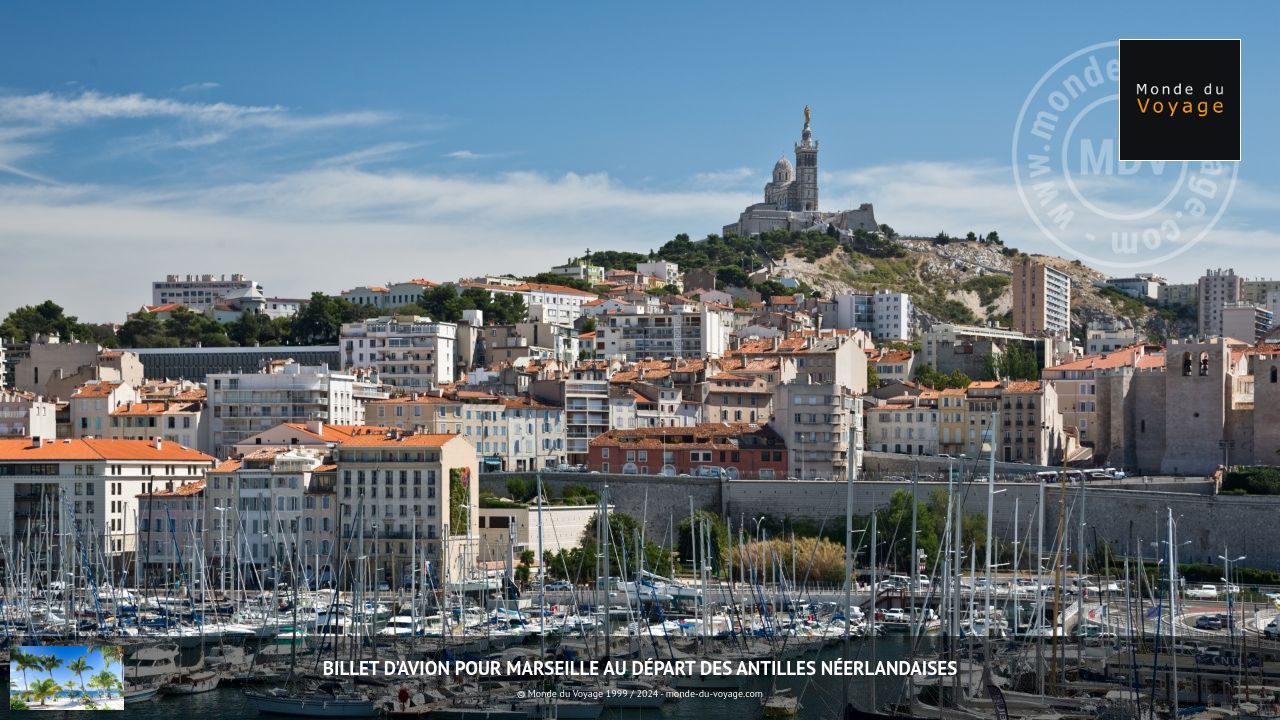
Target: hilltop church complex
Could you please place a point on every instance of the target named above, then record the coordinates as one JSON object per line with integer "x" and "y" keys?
{"x": 791, "y": 198}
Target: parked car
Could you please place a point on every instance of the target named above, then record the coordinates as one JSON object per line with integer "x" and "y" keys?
{"x": 1272, "y": 630}
{"x": 895, "y": 615}
{"x": 1208, "y": 622}
{"x": 559, "y": 585}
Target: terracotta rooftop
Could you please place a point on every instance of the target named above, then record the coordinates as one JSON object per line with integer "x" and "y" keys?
{"x": 98, "y": 449}
{"x": 396, "y": 440}
{"x": 183, "y": 490}
{"x": 95, "y": 390}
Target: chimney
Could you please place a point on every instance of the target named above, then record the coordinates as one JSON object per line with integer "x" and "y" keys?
{"x": 315, "y": 427}
{"x": 157, "y": 443}
{"x": 37, "y": 441}
{"x": 775, "y": 343}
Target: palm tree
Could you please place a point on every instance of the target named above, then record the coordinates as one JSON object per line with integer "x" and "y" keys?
{"x": 111, "y": 653}
{"x": 79, "y": 667}
{"x": 50, "y": 663}
{"x": 25, "y": 661}
{"x": 44, "y": 689}
{"x": 104, "y": 680}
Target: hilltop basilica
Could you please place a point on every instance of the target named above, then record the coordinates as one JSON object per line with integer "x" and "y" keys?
{"x": 791, "y": 198}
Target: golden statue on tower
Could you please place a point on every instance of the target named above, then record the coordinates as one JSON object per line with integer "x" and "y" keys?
{"x": 806, "y": 114}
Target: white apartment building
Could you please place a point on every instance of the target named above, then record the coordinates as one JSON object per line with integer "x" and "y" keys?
{"x": 508, "y": 433}
{"x": 198, "y": 292}
{"x": 92, "y": 482}
{"x": 1101, "y": 338}
{"x": 245, "y": 404}
{"x": 667, "y": 272}
{"x": 907, "y": 425}
{"x": 891, "y": 313}
{"x": 692, "y": 330}
{"x": 388, "y": 296}
{"x": 584, "y": 395}
{"x": 405, "y": 351}
{"x": 24, "y": 414}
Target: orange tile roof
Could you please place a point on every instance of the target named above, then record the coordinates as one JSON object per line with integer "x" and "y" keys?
{"x": 1023, "y": 386}
{"x": 1124, "y": 357}
{"x": 894, "y": 356}
{"x": 98, "y": 449}
{"x": 183, "y": 490}
{"x": 153, "y": 408}
{"x": 95, "y": 390}
{"x": 340, "y": 433}
{"x": 324, "y": 468}
{"x": 227, "y": 466}
{"x": 397, "y": 440}
{"x": 166, "y": 307}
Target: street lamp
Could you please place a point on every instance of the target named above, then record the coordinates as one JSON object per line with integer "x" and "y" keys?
{"x": 1226, "y": 579}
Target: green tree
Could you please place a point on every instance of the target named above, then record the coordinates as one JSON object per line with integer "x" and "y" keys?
{"x": 1015, "y": 363}
{"x": 521, "y": 488}
{"x": 459, "y": 500}
{"x": 47, "y": 318}
{"x": 105, "y": 680}
{"x": 79, "y": 667}
{"x": 873, "y": 377}
{"x": 319, "y": 322}
{"x": 24, "y": 661}
{"x": 442, "y": 303}
{"x": 42, "y": 690}
{"x": 894, "y": 525}
{"x": 49, "y": 663}
{"x": 719, "y": 540}
{"x": 140, "y": 330}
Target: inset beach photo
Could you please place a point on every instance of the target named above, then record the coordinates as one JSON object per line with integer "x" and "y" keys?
{"x": 65, "y": 677}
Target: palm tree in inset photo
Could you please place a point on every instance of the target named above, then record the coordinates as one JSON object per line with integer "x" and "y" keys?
{"x": 25, "y": 661}
{"x": 50, "y": 663}
{"x": 44, "y": 689}
{"x": 79, "y": 667}
{"x": 105, "y": 680}
{"x": 111, "y": 654}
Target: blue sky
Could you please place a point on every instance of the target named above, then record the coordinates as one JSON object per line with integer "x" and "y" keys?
{"x": 62, "y": 676}
{"x": 324, "y": 146}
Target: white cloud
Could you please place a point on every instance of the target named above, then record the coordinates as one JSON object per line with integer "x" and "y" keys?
{"x": 198, "y": 87}
{"x": 469, "y": 155}
{"x": 50, "y": 110}
{"x": 732, "y": 179}
{"x": 365, "y": 156}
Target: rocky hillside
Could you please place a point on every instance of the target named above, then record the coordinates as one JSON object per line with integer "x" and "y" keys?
{"x": 968, "y": 282}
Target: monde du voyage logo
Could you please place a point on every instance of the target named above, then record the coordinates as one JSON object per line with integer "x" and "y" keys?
{"x": 1142, "y": 182}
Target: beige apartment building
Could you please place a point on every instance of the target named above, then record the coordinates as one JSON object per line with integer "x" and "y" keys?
{"x": 1041, "y": 298}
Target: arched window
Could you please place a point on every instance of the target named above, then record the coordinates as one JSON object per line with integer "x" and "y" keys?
{"x": 1186, "y": 363}
{"x": 1204, "y": 363}
{"x": 1273, "y": 373}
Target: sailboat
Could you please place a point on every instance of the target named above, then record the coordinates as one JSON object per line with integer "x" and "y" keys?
{"x": 327, "y": 700}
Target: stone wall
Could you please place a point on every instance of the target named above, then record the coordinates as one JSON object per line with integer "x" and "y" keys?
{"x": 1123, "y": 516}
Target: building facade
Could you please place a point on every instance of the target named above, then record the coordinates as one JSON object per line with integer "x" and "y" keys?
{"x": 405, "y": 351}
{"x": 245, "y": 404}
{"x": 198, "y": 292}
{"x": 1041, "y": 298}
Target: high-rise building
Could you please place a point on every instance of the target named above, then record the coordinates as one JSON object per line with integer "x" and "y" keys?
{"x": 406, "y": 351}
{"x": 244, "y": 404}
{"x": 1041, "y": 298}
{"x": 1216, "y": 289}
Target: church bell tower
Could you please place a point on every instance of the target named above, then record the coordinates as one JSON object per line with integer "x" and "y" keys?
{"x": 806, "y": 183}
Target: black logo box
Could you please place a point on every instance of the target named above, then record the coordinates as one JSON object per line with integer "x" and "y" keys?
{"x": 1187, "y": 68}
